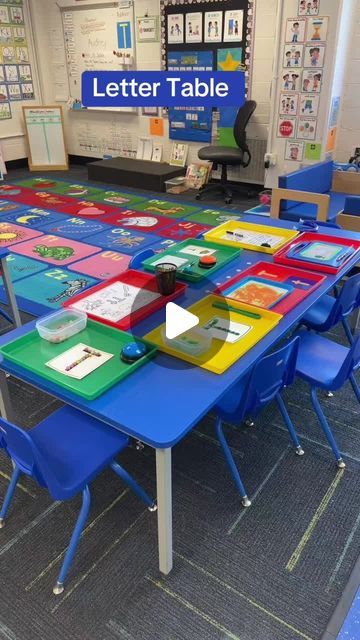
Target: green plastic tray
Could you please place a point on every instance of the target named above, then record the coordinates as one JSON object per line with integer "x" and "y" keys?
{"x": 223, "y": 254}
{"x": 31, "y": 352}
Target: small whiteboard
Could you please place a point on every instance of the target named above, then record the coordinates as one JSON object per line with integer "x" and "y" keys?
{"x": 45, "y": 135}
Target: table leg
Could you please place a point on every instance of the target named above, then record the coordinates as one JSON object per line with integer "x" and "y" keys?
{"x": 164, "y": 513}
{"x": 10, "y": 293}
{"x": 6, "y": 409}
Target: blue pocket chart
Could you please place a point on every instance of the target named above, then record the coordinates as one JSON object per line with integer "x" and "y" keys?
{"x": 34, "y": 218}
{"x": 76, "y": 228}
{"x": 123, "y": 240}
{"x": 50, "y": 288}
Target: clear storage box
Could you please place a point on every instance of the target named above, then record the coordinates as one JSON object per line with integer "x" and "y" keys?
{"x": 61, "y": 325}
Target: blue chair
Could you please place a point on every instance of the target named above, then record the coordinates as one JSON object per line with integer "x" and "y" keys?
{"x": 64, "y": 453}
{"x": 327, "y": 365}
{"x": 269, "y": 376}
{"x": 328, "y": 311}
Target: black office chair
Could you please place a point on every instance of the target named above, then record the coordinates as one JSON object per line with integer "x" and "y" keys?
{"x": 226, "y": 156}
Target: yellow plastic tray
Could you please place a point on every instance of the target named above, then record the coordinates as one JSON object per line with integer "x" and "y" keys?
{"x": 222, "y": 355}
{"x": 216, "y": 235}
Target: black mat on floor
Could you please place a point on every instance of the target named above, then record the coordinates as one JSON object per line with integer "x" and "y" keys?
{"x": 271, "y": 572}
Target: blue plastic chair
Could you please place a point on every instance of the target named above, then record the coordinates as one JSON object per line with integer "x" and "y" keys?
{"x": 327, "y": 365}
{"x": 269, "y": 376}
{"x": 328, "y": 311}
{"x": 64, "y": 453}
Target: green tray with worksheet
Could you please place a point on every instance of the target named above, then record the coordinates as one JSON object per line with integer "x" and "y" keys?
{"x": 185, "y": 255}
{"x": 32, "y": 352}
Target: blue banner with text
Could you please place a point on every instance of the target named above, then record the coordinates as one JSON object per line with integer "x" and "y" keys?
{"x": 162, "y": 89}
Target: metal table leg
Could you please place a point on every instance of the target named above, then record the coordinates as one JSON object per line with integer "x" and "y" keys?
{"x": 164, "y": 513}
{"x": 6, "y": 409}
{"x": 10, "y": 293}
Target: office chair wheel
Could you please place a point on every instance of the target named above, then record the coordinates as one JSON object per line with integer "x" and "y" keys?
{"x": 299, "y": 451}
{"x": 58, "y": 589}
{"x": 228, "y": 200}
{"x": 329, "y": 394}
{"x": 249, "y": 423}
{"x": 198, "y": 196}
{"x": 340, "y": 463}
{"x": 153, "y": 507}
{"x": 246, "y": 502}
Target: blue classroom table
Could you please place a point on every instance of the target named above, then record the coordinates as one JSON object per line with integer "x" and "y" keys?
{"x": 173, "y": 395}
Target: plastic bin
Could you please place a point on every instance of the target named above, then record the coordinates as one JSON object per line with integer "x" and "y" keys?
{"x": 61, "y": 325}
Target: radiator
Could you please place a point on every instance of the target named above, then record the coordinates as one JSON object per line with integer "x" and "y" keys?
{"x": 255, "y": 172}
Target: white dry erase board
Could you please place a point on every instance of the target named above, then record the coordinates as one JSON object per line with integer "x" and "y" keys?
{"x": 98, "y": 37}
{"x": 45, "y": 135}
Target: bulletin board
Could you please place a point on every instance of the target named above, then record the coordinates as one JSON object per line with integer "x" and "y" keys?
{"x": 45, "y": 136}
{"x": 97, "y": 37}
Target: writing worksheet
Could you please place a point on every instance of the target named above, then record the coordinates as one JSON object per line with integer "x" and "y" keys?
{"x": 253, "y": 238}
{"x": 195, "y": 250}
{"x": 227, "y": 331}
{"x": 116, "y": 301}
{"x": 79, "y": 361}
{"x": 167, "y": 259}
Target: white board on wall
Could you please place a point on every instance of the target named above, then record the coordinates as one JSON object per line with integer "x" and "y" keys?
{"x": 45, "y": 135}
{"x": 91, "y": 40}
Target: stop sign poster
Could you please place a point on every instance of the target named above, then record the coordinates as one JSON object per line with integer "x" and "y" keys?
{"x": 286, "y": 127}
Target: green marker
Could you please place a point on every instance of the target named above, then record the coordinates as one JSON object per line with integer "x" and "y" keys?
{"x": 225, "y": 307}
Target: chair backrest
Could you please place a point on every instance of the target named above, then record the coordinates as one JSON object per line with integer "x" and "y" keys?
{"x": 23, "y": 451}
{"x": 271, "y": 374}
{"x": 242, "y": 118}
{"x": 320, "y": 199}
{"x": 351, "y": 362}
{"x": 349, "y": 297}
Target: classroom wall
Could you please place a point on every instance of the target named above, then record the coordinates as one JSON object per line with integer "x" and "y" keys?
{"x": 103, "y": 130}
{"x": 349, "y": 124}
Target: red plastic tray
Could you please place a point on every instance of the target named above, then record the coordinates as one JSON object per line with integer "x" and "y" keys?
{"x": 137, "y": 279}
{"x": 281, "y": 256}
{"x": 304, "y": 282}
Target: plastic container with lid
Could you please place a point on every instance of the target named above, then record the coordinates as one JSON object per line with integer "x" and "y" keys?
{"x": 194, "y": 342}
{"x": 61, "y": 325}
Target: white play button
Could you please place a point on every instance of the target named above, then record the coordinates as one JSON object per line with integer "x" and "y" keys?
{"x": 178, "y": 320}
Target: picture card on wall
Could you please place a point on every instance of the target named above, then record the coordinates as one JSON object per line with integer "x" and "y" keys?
{"x": 25, "y": 73}
{"x": 175, "y": 28}
{"x": 8, "y": 55}
{"x": 313, "y": 151}
{"x": 213, "y": 26}
{"x": 286, "y": 127}
{"x": 288, "y": 104}
{"x": 14, "y": 91}
{"x": 3, "y": 93}
{"x": 11, "y": 73}
{"x": 294, "y": 151}
{"x": 11, "y": 233}
{"x": 2, "y": 73}
{"x": 293, "y": 56}
{"x": 309, "y": 104}
{"x": 194, "y": 27}
{"x": 54, "y": 249}
{"x": 314, "y": 56}
{"x": 311, "y": 81}
{"x": 291, "y": 80}
{"x": 233, "y": 25}
{"x": 306, "y": 129}
{"x": 309, "y": 7}
{"x": 295, "y": 30}
{"x": 317, "y": 29}
{"x": 102, "y": 266}
{"x": 128, "y": 241}
{"x": 5, "y": 111}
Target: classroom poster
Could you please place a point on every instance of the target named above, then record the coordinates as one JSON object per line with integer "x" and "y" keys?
{"x": 309, "y": 104}
{"x": 291, "y": 81}
{"x": 194, "y": 27}
{"x": 286, "y": 127}
{"x": 306, "y": 128}
{"x": 175, "y": 28}
{"x": 288, "y": 104}
{"x": 213, "y": 26}
{"x": 314, "y": 56}
{"x": 295, "y": 30}
{"x": 5, "y": 111}
{"x": 294, "y": 151}
{"x": 317, "y": 29}
{"x": 233, "y": 25}
{"x": 311, "y": 81}
{"x": 313, "y": 151}
{"x": 147, "y": 29}
{"x": 190, "y": 123}
{"x": 293, "y": 56}
{"x": 308, "y": 7}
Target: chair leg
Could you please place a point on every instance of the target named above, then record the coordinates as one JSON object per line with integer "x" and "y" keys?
{"x": 355, "y": 387}
{"x": 347, "y": 330}
{"x": 290, "y": 427}
{"x": 134, "y": 486}
{"x": 9, "y": 495}
{"x": 74, "y": 541}
{"x": 230, "y": 460}
{"x": 326, "y": 429}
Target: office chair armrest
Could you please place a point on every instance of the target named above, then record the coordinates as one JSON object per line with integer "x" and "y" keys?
{"x": 247, "y": 162}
